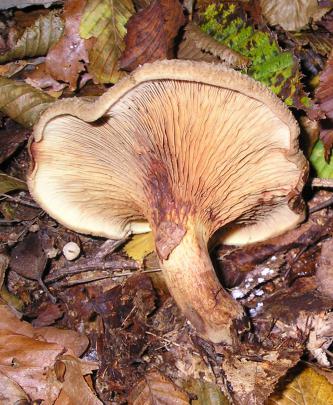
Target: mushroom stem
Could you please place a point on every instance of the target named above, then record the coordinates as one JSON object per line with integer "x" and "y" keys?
{"x": 192, "y": 282}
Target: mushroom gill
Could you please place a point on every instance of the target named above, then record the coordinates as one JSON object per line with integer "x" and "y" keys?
{"x": 184, "y": 149}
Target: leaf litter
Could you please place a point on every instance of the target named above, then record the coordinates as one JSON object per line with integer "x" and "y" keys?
{"x": 113, "y": 334}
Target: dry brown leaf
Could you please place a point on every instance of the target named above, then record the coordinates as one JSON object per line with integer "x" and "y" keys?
{"x": 198, "y": 45}
{"x": 11, "y": 392}
{"x": 74, "y": 386}
{"x": 37, "y": 38}
{"x": 324, "y": 273}
{"x": 154, "y": 389}
{"x": 292, "y": 15}
{"x": 28, "y": 356}
{"x": 308, "y": 387}
{"x": 151, "y": 33}
{"x": 41, "y": 79}
{"x": 65, "y": 59}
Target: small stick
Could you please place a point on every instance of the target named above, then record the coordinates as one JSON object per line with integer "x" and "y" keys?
{"x": 19, "y": 200}
{"x": 92, "y": 264}
{"x": 317, "y": 182}
{"x": 321, "y": 206}
{"x": 110, "y": 246}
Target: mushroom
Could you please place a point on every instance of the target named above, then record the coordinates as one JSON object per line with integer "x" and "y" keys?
{"x": 183, "y": 149}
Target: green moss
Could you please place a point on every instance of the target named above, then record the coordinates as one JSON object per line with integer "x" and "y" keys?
{"x": 270, "y": 65}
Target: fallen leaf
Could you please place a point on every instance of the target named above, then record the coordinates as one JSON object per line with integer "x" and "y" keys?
{"x": 9, "y": 183}
{"x": 11, "y": 68}
{"x": 42, "y": 79}
{"x": 22, "y": 102}
{"x": 151, "y": 33}
{"x": 206, "y": 393}
{"x": 65, "y": 60}
{"x": 307, "y": 387}
{"x": 11, "y": 392}
{"x": 4, "y": 261}
{"x": 323, "y": 169}
{"x": 140, "y": 246}
{"x": 28, "y": 258}
{"x": 292, "y": 15}
{"x": 37, "y": 39}
{"x": 155, "y": 388}
{"x": 324, "y": 273}
{"x": 324, "y": 92}
{"x": 74, "y": 385}
{"x": 29, "y": 355}
{"x": 103, "y": 24}
{"x": 197, "y": 45}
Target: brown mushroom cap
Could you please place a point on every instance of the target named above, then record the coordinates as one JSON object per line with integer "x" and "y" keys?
{"x": 175, "y": 146}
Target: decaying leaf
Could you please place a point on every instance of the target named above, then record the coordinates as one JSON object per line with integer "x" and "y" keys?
{"x": 324, "y": 92}
{"x": 22, "y": 102}
{"x": 65, "y": 59}
{"x": 11, "y": 392}
{"x": 4, "y": 260}
{"x": 28, "y": 356}
{"x": 307, "y": 387}
{"x": 292, "y": 15}
{"x": 155, "y": 388}
{"x": 206, "y": 393}
{"x": 323, "y": 169}
{"x": 277, "y": 69}
{"x": 198, "y": 45}
{"x": 140, "y": 246}
{"x": 9, "y": 183}
{"x": 103, "y": 22}
{"x": 151, "y": 33}
{"x": 37, "y": 39}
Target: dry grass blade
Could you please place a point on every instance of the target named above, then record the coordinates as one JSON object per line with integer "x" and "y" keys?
{"x": 200, "y": 46}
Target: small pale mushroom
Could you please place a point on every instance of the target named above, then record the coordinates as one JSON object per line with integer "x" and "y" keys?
{"x": 184, "y": 149}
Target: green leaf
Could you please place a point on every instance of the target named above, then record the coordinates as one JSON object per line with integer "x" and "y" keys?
{"x": 323, "y": 169}
{"x": 9, "y": 183}
{"x": 37, "y": 39}
{"x": 104, "y": 23}
{"x": 277, "y": 69}
{"x": 22, "y": 102}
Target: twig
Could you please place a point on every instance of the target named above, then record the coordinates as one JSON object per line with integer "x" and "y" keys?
{"x": 317, "y": 182}
{"x": 171, "y": 342}
{"x": 321, "y": 206}
{"x": 110, "y": 246}
{"x": 92, "y": 264}
{"x": 19, "y": 200}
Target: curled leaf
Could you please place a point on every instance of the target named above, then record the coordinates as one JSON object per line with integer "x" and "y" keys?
{"x": 21, "y": 102}
{"x": 9, "y": 183}
{"x": 103, "y": 23}
{"x": 37, "y": 39}
{"x": 198, "y": 45}
{"x": 292, "y": 15}
{"x": 151, "y": 33}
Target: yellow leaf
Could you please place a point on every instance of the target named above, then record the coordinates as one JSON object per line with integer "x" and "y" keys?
{"x": 104, "y": 22}
{"x": 307, "y": 388}
{"x": 140, "y": 246}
